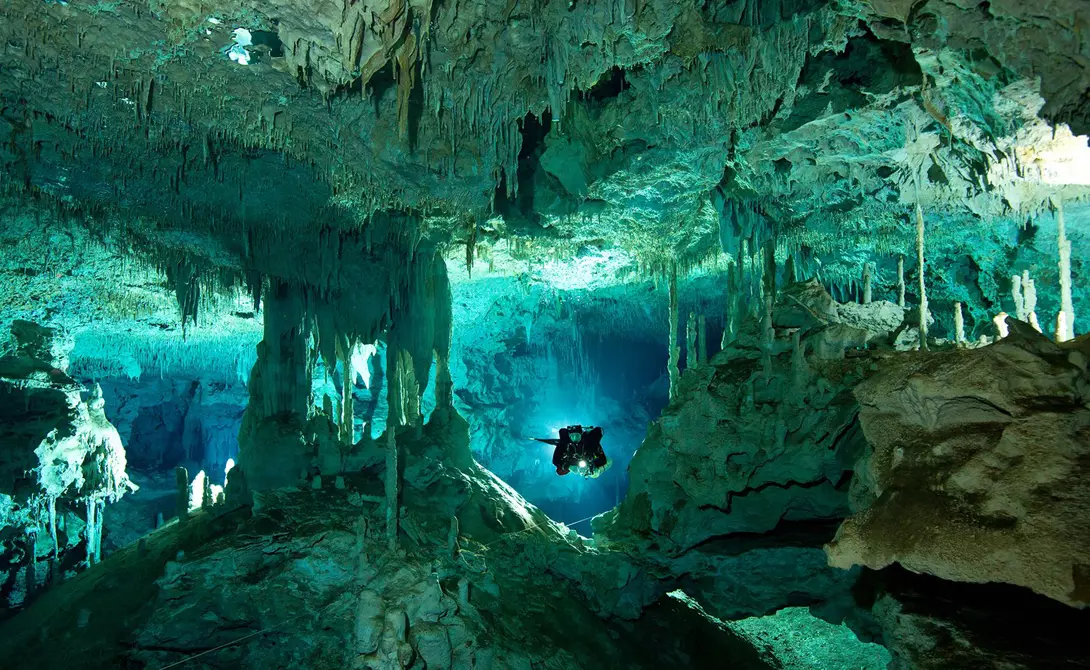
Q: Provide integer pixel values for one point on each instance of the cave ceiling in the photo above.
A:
(644, 125)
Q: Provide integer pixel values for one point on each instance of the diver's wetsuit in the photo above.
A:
(588, 449)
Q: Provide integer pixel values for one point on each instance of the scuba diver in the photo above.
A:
(578, 449)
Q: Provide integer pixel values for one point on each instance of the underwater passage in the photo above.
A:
(527, 334)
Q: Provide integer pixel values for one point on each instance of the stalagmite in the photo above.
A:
(901, 281)
(89, 531)
(54, 564)
(1019, 300)
(691, 357)
(452, 538)
(866, 283)
(1029, 296)
(206, 493)
(923, 287)
(767, 337)
(674, 351)
(959, 326)
(731, 310)
(702, 339)
(391, 487)
(347, 422)
(1065, 319)
(800, 372)
(181, 500)
(31, 567)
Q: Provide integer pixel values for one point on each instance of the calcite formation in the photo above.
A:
(760, 435)
(61, 459)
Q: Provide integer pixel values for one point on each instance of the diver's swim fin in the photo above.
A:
(547, 440)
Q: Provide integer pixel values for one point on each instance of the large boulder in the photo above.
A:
(980, 470)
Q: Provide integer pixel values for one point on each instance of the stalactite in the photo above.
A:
(789, 270)
(674, 350)
(1065, 319)
(959, 326)
(923, 287)
(901, 281)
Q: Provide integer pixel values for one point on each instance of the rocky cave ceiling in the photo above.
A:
(644, 125)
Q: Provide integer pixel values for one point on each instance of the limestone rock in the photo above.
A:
(994, 442)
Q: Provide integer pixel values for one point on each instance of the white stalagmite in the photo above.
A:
(901, 281)
(1029, 297)
(675, 351)
(923, 287)
(959, 326)
(1065, 320)
(1019, 299)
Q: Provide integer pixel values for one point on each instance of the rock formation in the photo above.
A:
(363, 250)
(62, 463)
(994, 442)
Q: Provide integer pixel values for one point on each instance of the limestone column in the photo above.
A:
(959, 326)
(923, 287)
(1065, 319)
(702, 339)
(271, 446)
(674, 350)
(901, 281)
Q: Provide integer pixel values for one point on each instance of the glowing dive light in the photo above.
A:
(582, 464)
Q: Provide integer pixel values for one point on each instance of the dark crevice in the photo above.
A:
(609, 86)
